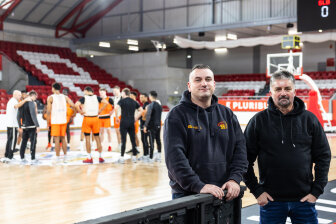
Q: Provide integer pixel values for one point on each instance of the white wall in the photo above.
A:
(33, 35)
(146, 72)
(240, 60)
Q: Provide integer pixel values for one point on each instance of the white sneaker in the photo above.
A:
(134, 159)
(5, 160)
(24, 161)
(150, 160)
(65, 159)
(121, 160)
(145, 159)
(157, 157)
(34, 162)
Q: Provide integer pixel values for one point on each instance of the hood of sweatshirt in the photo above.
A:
(299, 107)
(186, 100)
(202, 146)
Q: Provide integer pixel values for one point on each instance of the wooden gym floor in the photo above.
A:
(68, 194)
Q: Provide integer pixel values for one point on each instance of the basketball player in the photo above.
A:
(12, 124)
(23, 96)
(57, 115)
(105, 118)
(70, 115)
(134, 96)
(128, 108)
(116, 98)
(90, 111)
(29, 126)
(153, 125)
(144, 136)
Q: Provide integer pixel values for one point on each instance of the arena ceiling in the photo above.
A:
(74, 18)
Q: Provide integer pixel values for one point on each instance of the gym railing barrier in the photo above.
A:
(194, 209)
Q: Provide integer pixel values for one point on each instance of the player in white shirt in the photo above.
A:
(12, 124)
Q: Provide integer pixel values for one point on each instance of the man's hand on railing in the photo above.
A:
(214, 190)
(233, 189)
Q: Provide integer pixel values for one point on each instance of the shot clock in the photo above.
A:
(313, 15)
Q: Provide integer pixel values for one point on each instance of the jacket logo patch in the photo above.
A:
(194, 127)
(222, 125)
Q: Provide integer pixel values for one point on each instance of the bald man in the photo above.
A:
(12, 124)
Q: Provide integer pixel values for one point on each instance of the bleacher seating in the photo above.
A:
(49, 64)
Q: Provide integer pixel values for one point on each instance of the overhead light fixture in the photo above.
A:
(231, 36)
(133, 48)
(8, 2)
(320, 31)
(188, 56)
(91, 56)
(221, 50)
(132, 42)
(175, 92)
(292, 31)
(104, 44)
(220, 38)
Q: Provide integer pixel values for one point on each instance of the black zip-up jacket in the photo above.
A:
(203, 146)
(286, 147)
(28, 115)
(153, 116)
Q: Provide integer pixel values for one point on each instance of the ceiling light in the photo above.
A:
(220, 38)
(91, 56)
(221, 50)
(8, 2)
(175, 92)
(133, 48)
(104, 44)
(232, 36)
(132, 42)
(188, 56)
(292, 31)
(320, 31)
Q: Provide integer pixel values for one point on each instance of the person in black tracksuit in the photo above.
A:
(29, 126)
(288, 140)
(144, 136)
(153, 124)
(128, 107)
(205, 149)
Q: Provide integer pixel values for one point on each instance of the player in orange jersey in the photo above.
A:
(105, 118)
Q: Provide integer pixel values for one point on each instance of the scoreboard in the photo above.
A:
(315, 15)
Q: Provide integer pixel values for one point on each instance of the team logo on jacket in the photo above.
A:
(222, 125)
(194, 127)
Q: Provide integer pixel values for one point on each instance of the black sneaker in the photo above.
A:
(15, 150)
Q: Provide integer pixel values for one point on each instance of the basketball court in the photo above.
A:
(73, 192)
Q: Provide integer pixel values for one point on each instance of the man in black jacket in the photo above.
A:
(153, 125)
(287, 139)
(205, 149)
(29, 127)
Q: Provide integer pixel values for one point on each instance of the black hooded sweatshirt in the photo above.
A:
(203, 146)
(286, 147)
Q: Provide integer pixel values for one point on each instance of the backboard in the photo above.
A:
(291, 62)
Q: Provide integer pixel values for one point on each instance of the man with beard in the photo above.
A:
(287, 139)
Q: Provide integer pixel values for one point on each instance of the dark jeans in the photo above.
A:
(154, 135)
(299, 212)
(127, 127)
(144, 139)
(28, 133)
(11, 142)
